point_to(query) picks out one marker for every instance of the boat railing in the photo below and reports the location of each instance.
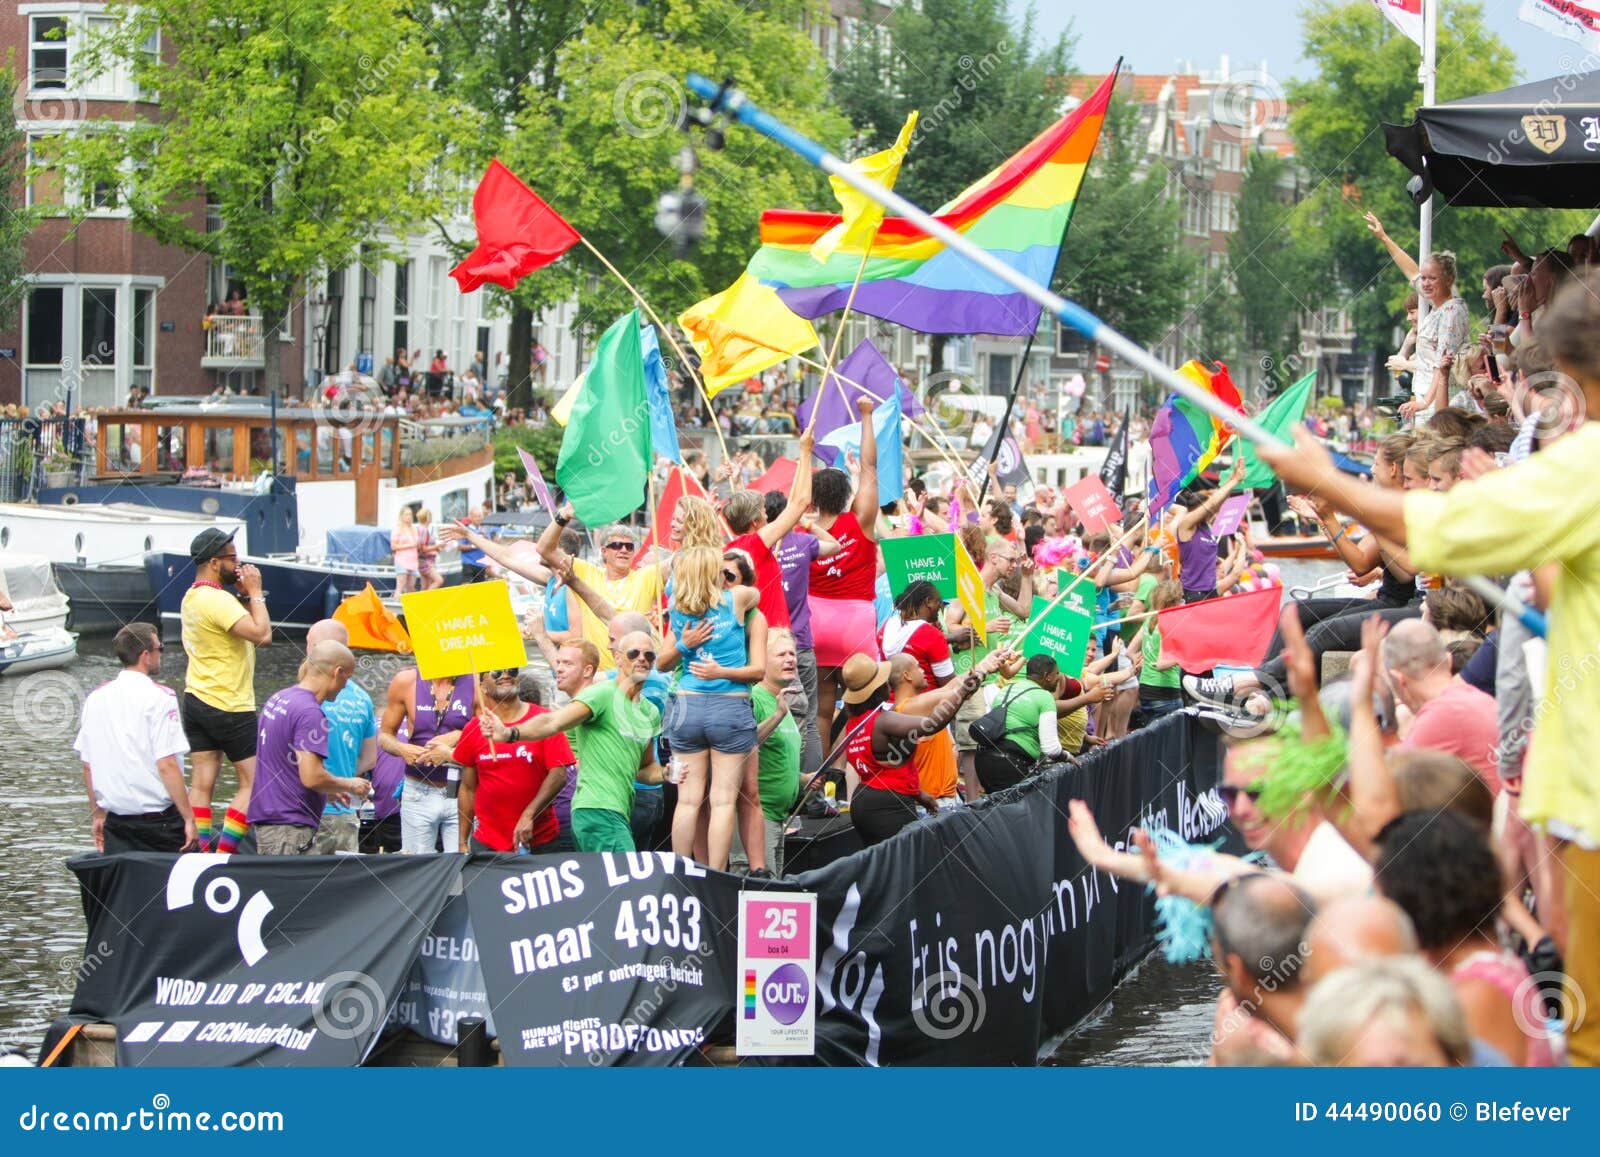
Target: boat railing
(39, 452)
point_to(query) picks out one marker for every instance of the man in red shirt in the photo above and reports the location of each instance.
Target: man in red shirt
(914, 630)
(1448, 715)
(507, 788)
(747, 517)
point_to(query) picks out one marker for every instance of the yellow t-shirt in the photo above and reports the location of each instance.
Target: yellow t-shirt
(222, 666)
(639, 591)
(1536, 512)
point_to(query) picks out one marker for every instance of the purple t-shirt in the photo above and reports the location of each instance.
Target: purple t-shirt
(291, 721)
(796, 552)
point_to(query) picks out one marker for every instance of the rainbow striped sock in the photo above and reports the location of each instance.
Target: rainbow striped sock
(233, 825)
(202, 825)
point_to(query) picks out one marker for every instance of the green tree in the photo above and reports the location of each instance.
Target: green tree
(1125, 259)
(979, 80)
(1365, 74)
(15, 219)
(605, 148)
(1267, 270)
(308, 128)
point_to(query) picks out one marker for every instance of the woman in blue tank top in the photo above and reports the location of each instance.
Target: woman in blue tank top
(718, 644)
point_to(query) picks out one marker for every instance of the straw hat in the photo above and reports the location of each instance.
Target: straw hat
(862, 676)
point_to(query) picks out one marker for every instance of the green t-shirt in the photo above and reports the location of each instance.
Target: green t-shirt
(1147, 586)
(1025, 702)
(778, 761)
(1148, 675)
(610, 744)
(965, 659)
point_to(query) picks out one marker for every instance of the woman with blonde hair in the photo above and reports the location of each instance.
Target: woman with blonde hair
(427, 552)
(695, 523)
(718, 641)
(403, 542)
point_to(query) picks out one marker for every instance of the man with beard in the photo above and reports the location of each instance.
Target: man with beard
(507, 787)
(220, 636)
(614, 728)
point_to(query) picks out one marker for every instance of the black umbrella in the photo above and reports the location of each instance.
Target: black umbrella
(1532, 146)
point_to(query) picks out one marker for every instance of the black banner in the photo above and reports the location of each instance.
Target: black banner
(981, 938)
(1114, 470)
(219, 960)
(1010, 467)
(446, 981)
(605, 959)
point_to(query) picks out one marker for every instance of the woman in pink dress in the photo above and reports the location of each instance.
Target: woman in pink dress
(403, 541)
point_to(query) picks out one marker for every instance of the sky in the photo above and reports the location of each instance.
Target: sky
(1155, 35)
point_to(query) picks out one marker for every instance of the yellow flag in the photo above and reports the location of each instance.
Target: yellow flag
(863, 215)
(969, 589)
(743, 330)
(562, 410)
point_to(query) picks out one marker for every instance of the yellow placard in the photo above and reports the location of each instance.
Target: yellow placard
(969, 589)
(463, 630)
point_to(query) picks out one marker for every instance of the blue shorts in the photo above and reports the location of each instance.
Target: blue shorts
(698, 723)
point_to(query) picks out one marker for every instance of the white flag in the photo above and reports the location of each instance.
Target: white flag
(1564, 18)
(1406, 15)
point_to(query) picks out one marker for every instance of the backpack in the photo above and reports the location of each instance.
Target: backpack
(989, 729)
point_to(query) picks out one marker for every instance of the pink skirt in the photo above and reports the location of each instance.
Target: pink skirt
(841, 628)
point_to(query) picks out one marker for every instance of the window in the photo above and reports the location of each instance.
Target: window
(367, 311)
(113, 82)
(47, 53)
(46, 186)
(1000, 374)
(98, 327)
(332, 338)
(45, 318)
(402, 304)
(144, 343)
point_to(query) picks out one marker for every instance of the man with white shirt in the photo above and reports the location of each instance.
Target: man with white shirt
(131, 742)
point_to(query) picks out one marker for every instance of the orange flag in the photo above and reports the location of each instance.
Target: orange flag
(372, 626)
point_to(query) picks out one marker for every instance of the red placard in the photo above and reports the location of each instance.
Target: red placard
(1093, 504)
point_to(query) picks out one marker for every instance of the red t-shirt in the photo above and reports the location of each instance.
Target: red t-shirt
(509, 778)
(852, 572)
(924, 642)
(769, 578)
(902, 780)
(1464, 722)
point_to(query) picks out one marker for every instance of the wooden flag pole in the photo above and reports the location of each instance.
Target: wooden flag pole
(838, 336)
(932, 435)
(683, 358)
(1035, 620)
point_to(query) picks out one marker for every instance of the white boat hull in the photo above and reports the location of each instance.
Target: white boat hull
(37, 651)
(111, 534)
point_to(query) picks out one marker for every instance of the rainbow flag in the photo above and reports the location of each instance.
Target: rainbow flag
(1019, 212)
(1184, 439)
(749, 994)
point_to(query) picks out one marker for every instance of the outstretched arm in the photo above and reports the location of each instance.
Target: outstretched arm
(799, 495)
(1404, 260)
(865, 507)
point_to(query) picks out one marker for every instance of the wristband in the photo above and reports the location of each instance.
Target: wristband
(1333, 538)
(561, 521)
(516, 735)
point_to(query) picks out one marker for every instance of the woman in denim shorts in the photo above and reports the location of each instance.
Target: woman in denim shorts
(718, 642)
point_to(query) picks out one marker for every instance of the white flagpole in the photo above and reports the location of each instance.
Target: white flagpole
(1427, 74)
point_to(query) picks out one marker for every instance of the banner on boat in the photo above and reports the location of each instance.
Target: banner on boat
(446, 981)
(211, 960)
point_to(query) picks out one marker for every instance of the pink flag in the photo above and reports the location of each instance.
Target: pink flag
(541, 492)
(1093, 504)
(1406, 15)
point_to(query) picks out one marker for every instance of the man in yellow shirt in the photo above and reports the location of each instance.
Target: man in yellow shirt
(615, 580)
(220, 636)
(1540, 511)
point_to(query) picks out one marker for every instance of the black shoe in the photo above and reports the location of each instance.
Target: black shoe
(760, 874)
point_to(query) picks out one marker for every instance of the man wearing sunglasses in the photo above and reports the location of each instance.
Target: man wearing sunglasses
(507, 787)
(613, 727)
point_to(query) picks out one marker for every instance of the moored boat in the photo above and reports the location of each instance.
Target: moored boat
(37, 651)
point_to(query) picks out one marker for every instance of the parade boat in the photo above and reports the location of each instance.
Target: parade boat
(286, 478)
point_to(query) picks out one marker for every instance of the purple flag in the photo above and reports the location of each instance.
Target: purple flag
(541, 492)
(1229, 515)
(866, 366)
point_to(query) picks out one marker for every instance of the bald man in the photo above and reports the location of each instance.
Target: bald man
(292, 777)
(1353, 929)
(352, 748)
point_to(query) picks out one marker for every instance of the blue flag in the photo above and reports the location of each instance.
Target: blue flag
(886, 429)
(663, 427)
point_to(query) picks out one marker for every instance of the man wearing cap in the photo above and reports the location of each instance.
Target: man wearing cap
(220, 635)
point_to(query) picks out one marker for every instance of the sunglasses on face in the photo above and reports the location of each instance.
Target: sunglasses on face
(730, 576)
(634, 654)
(625, 547)
(1230, 794)
(497, 676)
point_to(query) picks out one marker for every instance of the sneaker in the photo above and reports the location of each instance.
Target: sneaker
(760, 874)
(1218, 690)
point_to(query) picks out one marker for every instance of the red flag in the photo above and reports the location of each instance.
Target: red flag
(679, 483)
(517, 232)
(779, 476)
(1232, 631)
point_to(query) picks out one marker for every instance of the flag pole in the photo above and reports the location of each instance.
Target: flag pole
(1035, 620)
(927, 432)
(683, 358)
(1428, 74)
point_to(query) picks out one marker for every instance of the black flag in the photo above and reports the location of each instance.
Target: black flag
(1114, 470)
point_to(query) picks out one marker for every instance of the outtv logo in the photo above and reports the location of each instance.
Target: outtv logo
(786, 993)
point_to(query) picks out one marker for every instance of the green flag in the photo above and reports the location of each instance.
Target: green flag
(1287, 411)
(605, 455)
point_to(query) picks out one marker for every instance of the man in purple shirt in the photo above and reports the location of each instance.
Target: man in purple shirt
(292, 782)
(795, 552)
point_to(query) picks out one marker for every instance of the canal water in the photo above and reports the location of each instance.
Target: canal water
(1160, 1017)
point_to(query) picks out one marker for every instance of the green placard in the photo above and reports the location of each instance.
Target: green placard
(921, 556)
(1063, 635)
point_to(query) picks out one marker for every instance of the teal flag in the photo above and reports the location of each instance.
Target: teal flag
(1287, 411)
(604, 465)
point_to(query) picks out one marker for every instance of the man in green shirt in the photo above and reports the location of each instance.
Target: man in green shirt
(778, 754)
(613, 730)
(995, 562)
(1030, 725)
